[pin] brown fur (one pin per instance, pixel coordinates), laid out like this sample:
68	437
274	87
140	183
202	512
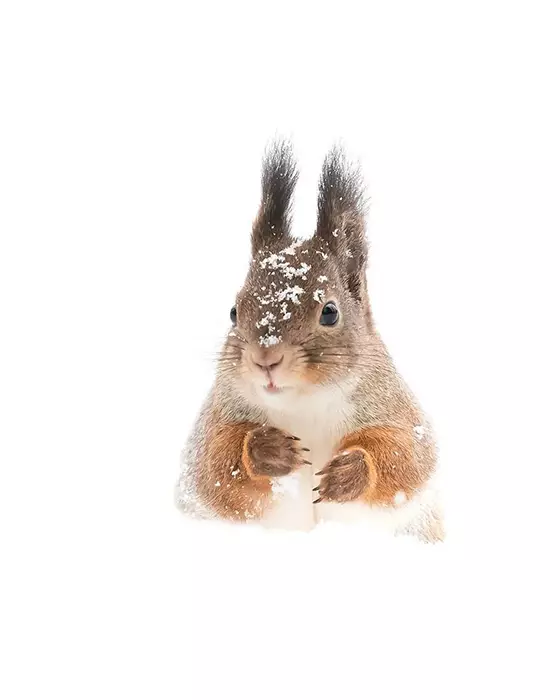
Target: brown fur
394	467
389	446
223	480
347	477
269	452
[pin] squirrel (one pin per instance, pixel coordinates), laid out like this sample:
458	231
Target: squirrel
308	419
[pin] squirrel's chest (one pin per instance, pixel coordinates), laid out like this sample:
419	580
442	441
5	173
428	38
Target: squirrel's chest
316	432
319	430
320	421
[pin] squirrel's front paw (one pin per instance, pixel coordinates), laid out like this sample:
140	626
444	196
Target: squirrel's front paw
271	452
345	478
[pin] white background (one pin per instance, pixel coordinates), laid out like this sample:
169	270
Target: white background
130	145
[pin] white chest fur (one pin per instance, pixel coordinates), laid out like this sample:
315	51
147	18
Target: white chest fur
320	420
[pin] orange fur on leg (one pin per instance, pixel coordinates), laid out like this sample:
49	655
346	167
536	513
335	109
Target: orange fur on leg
400	466
223	479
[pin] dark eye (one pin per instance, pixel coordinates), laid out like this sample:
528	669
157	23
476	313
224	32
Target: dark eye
233	315
329	315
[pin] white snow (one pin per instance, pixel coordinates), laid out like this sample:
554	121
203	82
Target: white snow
291	293
286	485
278	262
319	295
266	320
274	296
268	340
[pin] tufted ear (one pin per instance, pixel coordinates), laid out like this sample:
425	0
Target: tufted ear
279	177
341	218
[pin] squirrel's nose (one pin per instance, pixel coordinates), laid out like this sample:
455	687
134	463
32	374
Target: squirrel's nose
267	359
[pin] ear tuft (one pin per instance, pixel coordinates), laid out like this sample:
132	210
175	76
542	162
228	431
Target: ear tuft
279	178
341	217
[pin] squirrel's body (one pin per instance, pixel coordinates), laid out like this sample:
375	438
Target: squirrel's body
292	399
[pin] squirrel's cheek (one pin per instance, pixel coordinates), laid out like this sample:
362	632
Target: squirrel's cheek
316	373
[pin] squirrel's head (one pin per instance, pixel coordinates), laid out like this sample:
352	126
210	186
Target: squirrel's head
302	317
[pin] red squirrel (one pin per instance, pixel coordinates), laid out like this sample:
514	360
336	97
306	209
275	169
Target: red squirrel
308	419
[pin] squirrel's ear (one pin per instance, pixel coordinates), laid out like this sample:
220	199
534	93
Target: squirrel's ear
279	177
341	218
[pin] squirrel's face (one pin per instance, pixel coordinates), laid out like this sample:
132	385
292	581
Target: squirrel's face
302	317
294	323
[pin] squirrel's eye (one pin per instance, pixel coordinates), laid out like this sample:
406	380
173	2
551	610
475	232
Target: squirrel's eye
233	315
329	315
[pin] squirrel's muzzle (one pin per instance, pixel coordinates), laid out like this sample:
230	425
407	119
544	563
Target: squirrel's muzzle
267	359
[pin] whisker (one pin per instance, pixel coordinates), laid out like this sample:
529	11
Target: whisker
365	365
309	339
236	336
328	378
342	364
340	358
348	346
324	353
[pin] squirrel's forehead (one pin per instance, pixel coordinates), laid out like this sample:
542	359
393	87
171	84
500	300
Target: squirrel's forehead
277	278
301	261
283	287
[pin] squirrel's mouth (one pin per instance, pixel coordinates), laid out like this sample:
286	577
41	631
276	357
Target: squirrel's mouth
272	388
270	370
